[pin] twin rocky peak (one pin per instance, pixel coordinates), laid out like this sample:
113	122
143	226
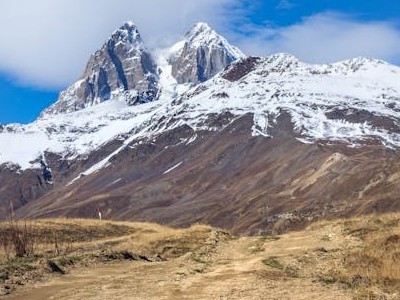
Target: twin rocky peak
124	66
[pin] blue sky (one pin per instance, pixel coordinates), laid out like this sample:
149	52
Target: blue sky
22	103
292	11
46	43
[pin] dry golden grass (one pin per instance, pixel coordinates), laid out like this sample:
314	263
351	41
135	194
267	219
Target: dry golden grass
73	243
357	258
63	236
168	242
377	262
59	235
371	267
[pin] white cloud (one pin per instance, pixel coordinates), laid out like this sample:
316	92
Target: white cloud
326	37
47	42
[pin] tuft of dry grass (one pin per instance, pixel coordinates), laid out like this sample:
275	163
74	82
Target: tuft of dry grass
37	237
63	236
16	239
373	268
273	263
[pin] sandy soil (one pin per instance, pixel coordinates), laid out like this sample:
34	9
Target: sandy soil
240	268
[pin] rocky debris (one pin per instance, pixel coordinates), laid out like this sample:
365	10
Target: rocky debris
218	121
136	97
124	255
203	55
19	187
355	116
240	69
20	272
47	173
54	267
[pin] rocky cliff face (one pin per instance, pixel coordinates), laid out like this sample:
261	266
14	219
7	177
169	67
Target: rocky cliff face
122	64
201	55
124	67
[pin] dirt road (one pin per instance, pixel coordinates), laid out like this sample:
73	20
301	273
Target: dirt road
243	268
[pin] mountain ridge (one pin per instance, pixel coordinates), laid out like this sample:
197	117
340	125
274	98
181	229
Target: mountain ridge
124	66
306	140
276	66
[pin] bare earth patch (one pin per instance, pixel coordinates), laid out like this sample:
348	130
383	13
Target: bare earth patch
206	263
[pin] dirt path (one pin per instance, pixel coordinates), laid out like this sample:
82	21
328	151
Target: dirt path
243	268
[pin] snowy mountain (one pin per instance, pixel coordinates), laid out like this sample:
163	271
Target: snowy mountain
293	134
201	55
124	67
342	102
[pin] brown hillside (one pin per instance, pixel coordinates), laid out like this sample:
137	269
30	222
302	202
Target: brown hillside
227	179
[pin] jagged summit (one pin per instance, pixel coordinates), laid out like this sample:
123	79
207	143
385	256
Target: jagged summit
200	26
201	55
202	34
127	33
121	67
124	68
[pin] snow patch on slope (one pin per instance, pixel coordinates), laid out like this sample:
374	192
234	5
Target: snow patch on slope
170	89
172	168
279	83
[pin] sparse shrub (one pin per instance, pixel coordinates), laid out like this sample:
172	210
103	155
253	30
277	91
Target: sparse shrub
273	263
269	238
291	271
326	238
68	260
326	279
17	239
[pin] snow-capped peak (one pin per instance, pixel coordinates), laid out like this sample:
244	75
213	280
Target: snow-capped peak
202	34
127	33
332	103
359	64
200	26
201	55
121	67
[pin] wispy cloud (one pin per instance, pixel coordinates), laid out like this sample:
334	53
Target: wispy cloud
46	43
326	37
286	4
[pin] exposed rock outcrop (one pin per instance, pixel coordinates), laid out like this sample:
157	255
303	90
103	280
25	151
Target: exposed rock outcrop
201	55
125	68
122	64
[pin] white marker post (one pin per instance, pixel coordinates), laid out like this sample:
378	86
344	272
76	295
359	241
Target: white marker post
99	212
